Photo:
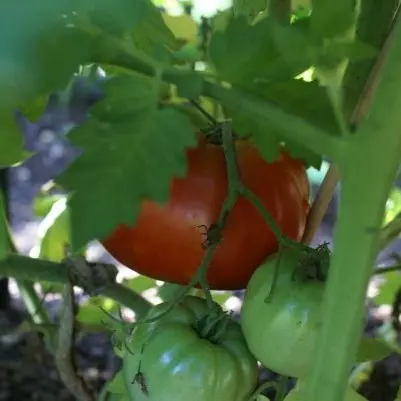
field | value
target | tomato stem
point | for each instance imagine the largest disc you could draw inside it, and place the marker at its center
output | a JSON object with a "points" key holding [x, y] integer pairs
{"points": [[264, 386]]}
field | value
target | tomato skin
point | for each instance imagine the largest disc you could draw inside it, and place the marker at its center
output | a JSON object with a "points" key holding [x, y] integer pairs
{"points": [[165, 242], [282, 333], [178, 365], [296, 394]]}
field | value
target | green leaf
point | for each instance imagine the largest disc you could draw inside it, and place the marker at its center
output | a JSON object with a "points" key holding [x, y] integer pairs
{"points": [[332, 18], [183, 27], [57, 56], [260, 56], [114, 389], [42, 204], [249, 8], [11, 140], [132, 150], [90, 312], [43, 56], [53, 233], [151, 34], [304, 99], [140, 284], [117, 385], [371, 349], [117, 18], [34, 108], [222, 296], [388, 290], [168, 291]]}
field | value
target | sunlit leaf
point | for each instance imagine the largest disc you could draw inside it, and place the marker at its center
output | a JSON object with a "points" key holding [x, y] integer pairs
{"points": [[389, 288], [91, 312], [140, 283], [53, 233], [371, 349]]}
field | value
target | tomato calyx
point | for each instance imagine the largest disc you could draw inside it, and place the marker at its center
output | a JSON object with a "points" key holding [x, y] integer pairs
{"points": [[313, 264], [212, 327]]}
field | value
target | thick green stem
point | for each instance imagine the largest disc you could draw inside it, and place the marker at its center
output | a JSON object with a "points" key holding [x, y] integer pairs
{"points": [[368, 171], [23, 268]]}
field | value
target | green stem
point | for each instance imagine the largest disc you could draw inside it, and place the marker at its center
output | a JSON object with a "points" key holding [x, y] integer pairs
{"points": [[281, 388], [26, 288], [256, 107], [24, 268], [390, 232], [384, 270], [368, 172]]}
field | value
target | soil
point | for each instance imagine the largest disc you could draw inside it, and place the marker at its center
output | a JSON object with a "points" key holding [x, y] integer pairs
{"points": [[27, 369]]}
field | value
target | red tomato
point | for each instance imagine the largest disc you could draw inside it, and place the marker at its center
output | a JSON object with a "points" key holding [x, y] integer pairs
{"points": [[165, 243]]}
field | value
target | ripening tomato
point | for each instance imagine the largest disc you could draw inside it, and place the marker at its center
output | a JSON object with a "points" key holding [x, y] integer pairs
{"points": [[166, 241], [282, 332], [183, 357]]}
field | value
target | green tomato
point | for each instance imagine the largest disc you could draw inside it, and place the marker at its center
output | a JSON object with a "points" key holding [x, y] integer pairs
{"points": [[178, 358], [296, 394], [282, 332]]}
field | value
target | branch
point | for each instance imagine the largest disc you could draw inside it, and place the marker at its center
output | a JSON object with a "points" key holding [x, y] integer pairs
{"points": [[320, 204], [65, 360], [24, 268], [390, 232], [256, 107]]}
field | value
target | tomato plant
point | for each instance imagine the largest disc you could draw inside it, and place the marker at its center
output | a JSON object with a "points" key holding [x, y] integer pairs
{"points": [[166, 242], [281, 332], [183, 357], [296, 394]]}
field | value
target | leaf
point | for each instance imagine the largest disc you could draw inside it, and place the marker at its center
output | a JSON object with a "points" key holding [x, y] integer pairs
{"points": [[11, 140], [393, 205], [260, 56], [183, 27], [332, 18], [140, 284], [53, 233], [134, 147], [249, 8], [222, 297], [42, 57], [389, 289], [151, 34], [371, 349], [42, 204], [114, 389], [57, 56], [34, 108], [168, 291], [298, 97], [117, 19], [117, 385], [90, 312]]}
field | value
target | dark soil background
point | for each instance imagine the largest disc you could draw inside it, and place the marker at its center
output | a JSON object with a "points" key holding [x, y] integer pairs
{"points": [[27, 370]]}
